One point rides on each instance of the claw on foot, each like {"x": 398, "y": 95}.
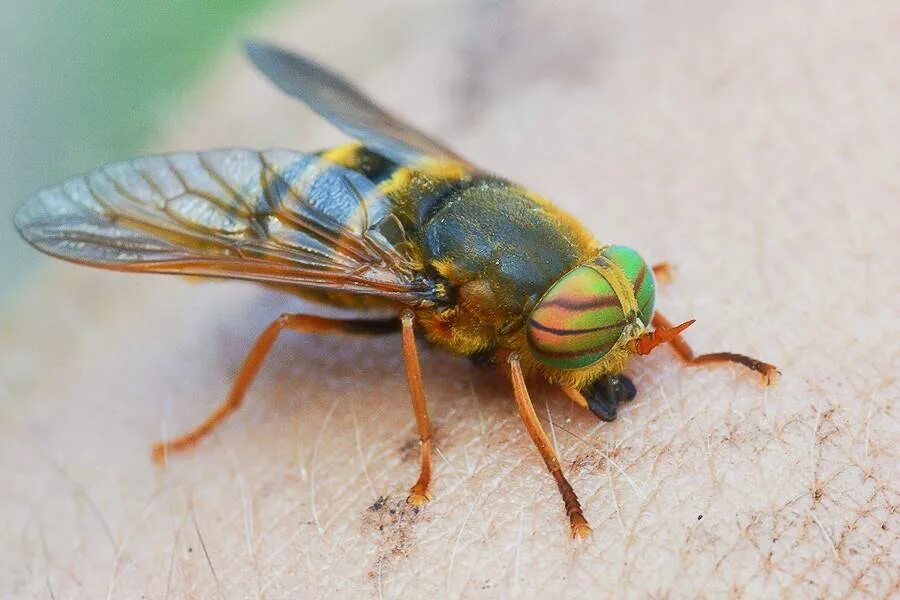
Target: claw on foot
{"x": 417, "y": 499}
{"x": 663, "y": 272}
{"x": 159, "y": 453}
{"x": 581, "y": 531}
{"x": 770, "y": 373}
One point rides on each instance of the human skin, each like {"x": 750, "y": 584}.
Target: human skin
{"x": 753, "y": 146}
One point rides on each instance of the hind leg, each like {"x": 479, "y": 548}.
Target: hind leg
{"x": 254, "y": 360}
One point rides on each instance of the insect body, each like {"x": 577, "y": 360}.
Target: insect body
{"x": 482, "y": 266}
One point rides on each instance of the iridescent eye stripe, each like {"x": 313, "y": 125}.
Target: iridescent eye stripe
{"x": 543, "y": 327}
{"x": 639, "y": 281}
{"x": 583, "y": 304}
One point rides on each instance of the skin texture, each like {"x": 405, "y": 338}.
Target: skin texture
{"x": 753, "y": 146}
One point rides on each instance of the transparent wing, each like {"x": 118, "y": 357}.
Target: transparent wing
{"x": 345, "y": 106}
{"x": 276, "y": 216}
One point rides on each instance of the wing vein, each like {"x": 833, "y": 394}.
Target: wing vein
{"x": 252, "y": 215}
{"x": 337, "y": 242}
{"x": 301, "y": 227}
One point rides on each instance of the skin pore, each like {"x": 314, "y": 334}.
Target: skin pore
{"x": 754, "y": 169}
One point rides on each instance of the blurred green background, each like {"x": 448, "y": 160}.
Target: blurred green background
{"x": 85, "y": 83}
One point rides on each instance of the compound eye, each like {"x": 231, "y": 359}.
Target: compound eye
{"x": 639, "y": 276}
{"x": 577, "y": 322}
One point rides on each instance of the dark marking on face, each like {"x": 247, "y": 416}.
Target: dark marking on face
{"x": 606, "y": 394}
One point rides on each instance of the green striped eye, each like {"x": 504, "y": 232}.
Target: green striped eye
{"x": 582, "y": 316}
{"x": 639, "y": 276}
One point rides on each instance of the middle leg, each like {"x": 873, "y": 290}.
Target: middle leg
{"x": 418, "y": 494}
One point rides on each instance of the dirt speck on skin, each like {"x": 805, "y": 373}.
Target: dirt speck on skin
{"x": 587, "y": 462}
{"x": 391, "y": 524}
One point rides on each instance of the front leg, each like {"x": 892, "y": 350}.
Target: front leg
{"x": 604, "y": 396}
{"x": 577, "y": 522}
{"x": 769, "y": 372}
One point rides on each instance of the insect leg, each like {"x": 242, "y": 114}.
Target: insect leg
{"x": 769, "y": 372}
{"x": 418, "y": 494}
{"x": 580, "y": 527}
{"x": 663, "y": 272}
{"x": 253, "y": 361}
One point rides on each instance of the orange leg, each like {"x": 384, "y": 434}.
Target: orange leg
{"x": 418, "y": 494}
{"x": 580, "y": 527}
{"x": 253, "y": 361}
{"x": 663, "y": 272}
{"x": 769, "y": 372}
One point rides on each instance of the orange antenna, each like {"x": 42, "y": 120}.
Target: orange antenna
{"x": 646, "y": 342}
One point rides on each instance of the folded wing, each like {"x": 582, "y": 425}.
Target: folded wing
{"x": 346, "y": 107}
{"x": 275, "y": 216}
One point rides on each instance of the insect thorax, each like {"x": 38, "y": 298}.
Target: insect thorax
{"x": 497, "y": 248}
